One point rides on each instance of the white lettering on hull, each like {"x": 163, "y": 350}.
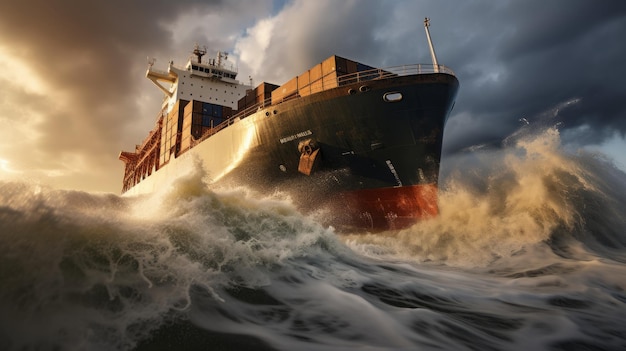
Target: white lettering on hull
{"x": 295, "y": 136}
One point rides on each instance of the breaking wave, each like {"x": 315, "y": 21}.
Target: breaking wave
{"x": 527, "y": 253}
{"x": 497, "y": 204}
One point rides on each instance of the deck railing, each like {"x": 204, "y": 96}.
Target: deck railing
{"x": 391, "y": 72}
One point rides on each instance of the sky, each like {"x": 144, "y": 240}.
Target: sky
{"x": 73, "y": 92}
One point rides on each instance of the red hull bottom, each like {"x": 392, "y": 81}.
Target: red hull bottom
{"x": 391, "y": 208}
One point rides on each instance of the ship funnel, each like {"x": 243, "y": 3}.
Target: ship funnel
{"x": 430, "y": 44}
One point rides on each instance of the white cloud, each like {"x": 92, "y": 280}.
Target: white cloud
{"x": 251, "y": 48}
{"x": 304, "y": 33}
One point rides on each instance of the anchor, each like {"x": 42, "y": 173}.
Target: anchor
{"x": 309, "y": 156}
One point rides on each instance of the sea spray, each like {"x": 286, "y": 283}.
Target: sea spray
{"x": 91, "y": 269}
{"x": 528, "y": 194}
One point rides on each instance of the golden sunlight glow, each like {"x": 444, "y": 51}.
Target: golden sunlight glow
{"x": 5, "y": 168}
{"x": 243, "y": 146}
{"x": 14, "y": 70}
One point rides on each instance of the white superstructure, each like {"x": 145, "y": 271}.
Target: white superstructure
{"x": 213, "y": 81}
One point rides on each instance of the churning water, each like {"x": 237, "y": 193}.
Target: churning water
{"x": 529, "y": 252}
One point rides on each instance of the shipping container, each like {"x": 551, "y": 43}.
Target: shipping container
{"x": 256, "y": 96}
{"x": 305, "y": 91}
{"x": 185, "y": 143}
{"x": 209, "y": 121}
{"x": 188, "y": 109}
{"x": 286, "y": 90}
{"x": 351, "y": 66}
{"x": 165, "y": 151}
{"x": 196, "y": 131}
{"x": 197, "y": 106}
{"x": 264, "y": 89}
{"x": 328, "y": 65}
{"x": 303, "y": 79}
{"x": 227, "y": 112}
{"x": 244, "y": 102}
{"x": 315, "y": 73}
{"x": 316, "y": 86}
{"x": 329, "y": 81}
{"x": 320, "y": 77}
{"x": 341, "y": 65}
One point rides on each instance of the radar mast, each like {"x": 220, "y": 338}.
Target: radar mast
{"x": 199, "y": 52}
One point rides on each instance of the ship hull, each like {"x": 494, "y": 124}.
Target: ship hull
{"x": 368, "y": 152}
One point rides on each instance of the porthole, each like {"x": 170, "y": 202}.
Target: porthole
{"x": 364, "y": 88}
{"x": 351, "y": 91}
{"x": 392, "y": 97}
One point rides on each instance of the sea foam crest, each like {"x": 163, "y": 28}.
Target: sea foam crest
{"x": 116, "y": 266}
{"x": 500, "y": 203}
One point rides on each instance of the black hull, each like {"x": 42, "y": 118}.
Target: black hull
{"x": 377, "y": 161}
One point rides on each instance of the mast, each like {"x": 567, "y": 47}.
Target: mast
{"x": 199, "y": 52}
{"x": 430, "y": 44}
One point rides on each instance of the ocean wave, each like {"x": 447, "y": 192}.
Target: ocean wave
{"x": 507, "y": 203}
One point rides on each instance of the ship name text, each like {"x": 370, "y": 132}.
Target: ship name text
{"x": 295, "y": 136}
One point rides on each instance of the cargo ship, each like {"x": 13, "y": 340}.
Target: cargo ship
{"x": 359, "y": 143}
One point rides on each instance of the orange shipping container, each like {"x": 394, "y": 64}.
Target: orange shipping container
{"x": 303, "y": 79}
{"x": 315, "y": 73}
{"x": 338, "y": 64}
{"x": 328, "y": 65}
{"x": 188, "y": 108}
{"x": 185, "y": 143}
{"x": 285, "y": 90}
{"x": 329, "y": 81}
{"x": 265, "y": 88}
{"x": 316, "y": 86}
{"x": 305, "y": 91}
{"x": 290, "y": 87}
{"x": 187, "y": 120}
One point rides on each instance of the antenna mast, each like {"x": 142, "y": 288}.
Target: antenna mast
{"x": 199, "y": 52}
{"x": 430, "y": 44}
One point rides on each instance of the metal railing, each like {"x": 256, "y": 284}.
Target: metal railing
{"x": 392, "y": 72}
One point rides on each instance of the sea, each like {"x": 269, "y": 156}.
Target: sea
{"x": 528, "y": 253}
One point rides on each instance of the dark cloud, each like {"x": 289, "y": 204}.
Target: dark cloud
{"x": 546, "y": 53}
